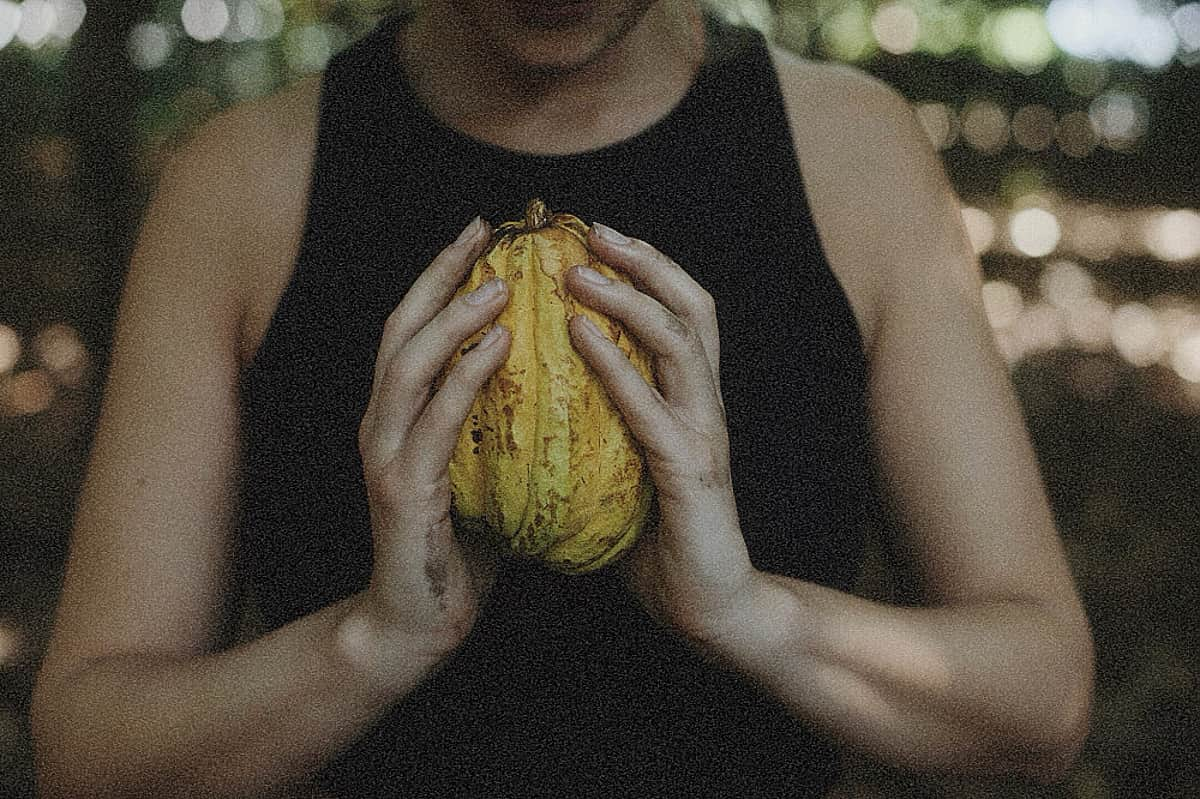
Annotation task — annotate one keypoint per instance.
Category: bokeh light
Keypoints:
(1173, 235)
(204, 20)
(10, 21)
(59, 348)
(981, 228)
(1186, 20)
(38, 20)
(1137, 334)
(1065, 284)
(308, 48)
(1034, 232)
(1156, 42)
(1177, 316)
(1185, 356)
(259, 20)
(847, 33)
(896, 27)
(1118, 118)
(1019, 38)
(1033, 127)
(26, 393)
(945, 28)
(69, 17)
(10, 348)
(1089, 324)
(1112, 29)
(1076, 137)
(10, 643)
(1002, 303)
(1040, 328)
(35, 23)
(940, 124)
(1095, 235)
(150, 45)
(985, 126)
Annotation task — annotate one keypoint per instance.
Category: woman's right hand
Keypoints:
(426, 585)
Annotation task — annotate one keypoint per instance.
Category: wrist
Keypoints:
(754, 627)
(380, 651)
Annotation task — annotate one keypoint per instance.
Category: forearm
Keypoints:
(249, 721)
(1002, 687)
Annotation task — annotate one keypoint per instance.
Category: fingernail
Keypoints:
(610, 235)
(485, 293)
(490, 338)
(590, 326)
(469, 232)
(592, 276)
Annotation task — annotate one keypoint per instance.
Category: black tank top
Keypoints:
(566, 687)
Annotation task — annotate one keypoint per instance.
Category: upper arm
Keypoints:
(953, 448)
(951, 435)
(148, 565)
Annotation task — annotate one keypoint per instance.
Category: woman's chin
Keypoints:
(558, 36)
(553, 54)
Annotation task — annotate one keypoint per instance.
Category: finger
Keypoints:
(436, 433)
(666, 281)
(648, 415)
(403, 388)
(684, 372)
(432, 289)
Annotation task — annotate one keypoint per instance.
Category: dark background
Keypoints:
(1102, 331)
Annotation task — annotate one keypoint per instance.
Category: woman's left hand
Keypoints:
(693, 571)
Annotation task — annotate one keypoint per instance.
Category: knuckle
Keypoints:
(466, 377)
(709, 469)
(368, 439)
(365, 428)
(681, 333)
(456, 381)
(649, 250)
(396, 324)
(375, 464)
(381, 487)
(424, 494)
(402, 369)
(461, 324)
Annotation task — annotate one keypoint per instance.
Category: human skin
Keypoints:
(138, 696)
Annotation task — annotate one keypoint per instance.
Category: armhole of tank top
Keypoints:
(804, 203)
(260, 361)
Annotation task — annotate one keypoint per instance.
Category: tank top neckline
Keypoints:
(401, 97)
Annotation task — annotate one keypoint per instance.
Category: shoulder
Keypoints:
(841, 113)
(246, 150)
(240, 183)
(840, 92)
(878, 191)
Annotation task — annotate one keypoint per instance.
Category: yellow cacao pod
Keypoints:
(544, 463)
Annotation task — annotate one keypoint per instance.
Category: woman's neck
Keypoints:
(614, 93)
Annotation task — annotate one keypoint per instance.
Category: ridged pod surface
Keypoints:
(544, 462)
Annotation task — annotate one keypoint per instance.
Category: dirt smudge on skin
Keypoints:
(436, 568)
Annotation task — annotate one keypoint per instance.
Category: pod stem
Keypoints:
(537, 215)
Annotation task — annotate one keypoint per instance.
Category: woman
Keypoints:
(805, 287)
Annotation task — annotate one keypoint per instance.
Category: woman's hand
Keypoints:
(694, 571)
(426, 584)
